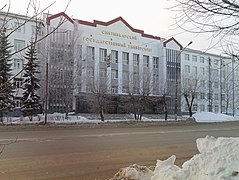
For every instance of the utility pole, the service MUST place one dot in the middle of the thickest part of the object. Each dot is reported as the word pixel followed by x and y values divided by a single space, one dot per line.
pixel 210 87
pixel 177 61
pixel 233 86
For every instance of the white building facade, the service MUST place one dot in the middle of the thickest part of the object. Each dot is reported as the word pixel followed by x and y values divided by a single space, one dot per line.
pixel 77 53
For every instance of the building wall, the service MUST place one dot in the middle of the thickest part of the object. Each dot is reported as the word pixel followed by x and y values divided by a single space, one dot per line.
pixel 21 33
pixel 82 56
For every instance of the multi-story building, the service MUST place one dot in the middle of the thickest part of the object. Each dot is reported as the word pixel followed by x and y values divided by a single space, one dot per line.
pixel 81 56
pixel 217 78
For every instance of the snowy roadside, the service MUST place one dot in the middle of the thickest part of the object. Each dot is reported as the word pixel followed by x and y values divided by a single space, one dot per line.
pixel 218 158
pixel 58 118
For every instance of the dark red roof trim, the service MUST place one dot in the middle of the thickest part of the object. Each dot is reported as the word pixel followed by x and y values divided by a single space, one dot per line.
pixel 172 39
pixel 96 22
pixel 48 19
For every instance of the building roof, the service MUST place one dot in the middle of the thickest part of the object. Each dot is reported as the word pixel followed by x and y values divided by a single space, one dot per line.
pixel 95 23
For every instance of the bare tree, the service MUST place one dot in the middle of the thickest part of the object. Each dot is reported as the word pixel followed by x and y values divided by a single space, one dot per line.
pixel 215 16
pixel 98 86
pixel 139 96
pixel 164 91
pixel 190 89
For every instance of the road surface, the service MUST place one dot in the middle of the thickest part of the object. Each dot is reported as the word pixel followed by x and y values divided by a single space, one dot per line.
pixel 70 152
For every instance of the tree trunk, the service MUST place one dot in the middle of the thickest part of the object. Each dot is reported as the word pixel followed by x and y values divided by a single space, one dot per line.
pixel 102 114
pixel 190 111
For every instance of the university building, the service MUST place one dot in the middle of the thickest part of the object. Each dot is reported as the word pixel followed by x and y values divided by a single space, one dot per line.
pixel 80 57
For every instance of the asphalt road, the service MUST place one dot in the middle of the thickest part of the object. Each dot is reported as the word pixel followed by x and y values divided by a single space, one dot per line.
pixel 99 152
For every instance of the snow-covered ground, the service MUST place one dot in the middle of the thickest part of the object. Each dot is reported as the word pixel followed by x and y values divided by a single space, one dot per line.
pixel 218 159
pixel 60 118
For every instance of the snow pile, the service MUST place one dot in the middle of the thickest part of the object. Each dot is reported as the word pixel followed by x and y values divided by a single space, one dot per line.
pixel 135 172
pixel 218 158
pixel 212 117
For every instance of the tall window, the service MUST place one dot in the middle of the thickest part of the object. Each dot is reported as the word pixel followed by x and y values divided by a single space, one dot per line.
pixel 125 58
pixel 187 57
pixel 114 74
pixel 37 30
pixel 20 27
pixel 125 75
pixel 18 44
pixel 194 58
pixel 90 53
pixel 146 61
pixel 195 69
pixel 202 70
pixel 156 62
pixel 187 69
pixel 103 54
pixel 136 59
pixel 17 63
pixel 18 82
pixel 202 59
pixel 114 56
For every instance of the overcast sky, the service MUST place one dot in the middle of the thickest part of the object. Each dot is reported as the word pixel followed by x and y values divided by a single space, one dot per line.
pixel 152 16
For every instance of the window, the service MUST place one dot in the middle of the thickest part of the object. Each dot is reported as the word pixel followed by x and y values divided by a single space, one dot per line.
pixel 17 63
pixel 202 95
pixel 223 97
pixel 216 96
pixel 155 77
pixel 125 58
pixel 91 72
pixel 146 61
pixel 103 73
pixel 18 44
pixel 202 83
pixel 114 74
pixel 202 69
pixel 187 57
pixel 156 62
pixel 216 61
pixel 37 30
pixel 216 84
pixel 114 56
pixel 194 58
pixel 103 54
pixel 125 75
pixel 20 27
pixel 114 90
pixel 195 107
pixel 202 108
pixel 216 108
pixel 18 83
pixel 136 59
pixel 195 69
pixel 18 103
pixel 187 69
pixel 223 109
pixel 202 59
pixel 124 90
pixel 90 53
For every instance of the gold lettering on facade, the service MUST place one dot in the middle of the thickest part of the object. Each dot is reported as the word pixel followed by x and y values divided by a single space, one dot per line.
pixel 112 43
pixel 110 33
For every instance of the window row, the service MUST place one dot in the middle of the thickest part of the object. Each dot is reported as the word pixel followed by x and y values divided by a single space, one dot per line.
pixel 113 57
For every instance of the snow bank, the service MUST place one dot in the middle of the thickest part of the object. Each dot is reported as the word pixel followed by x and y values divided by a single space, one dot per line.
pixel 218 158
pixel 133 172
pixel 212 117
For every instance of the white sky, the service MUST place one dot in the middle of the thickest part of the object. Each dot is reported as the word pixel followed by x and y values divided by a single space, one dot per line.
pixel 151 16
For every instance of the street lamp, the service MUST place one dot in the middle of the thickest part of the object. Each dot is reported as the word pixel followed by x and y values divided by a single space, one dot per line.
pixel 176 79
